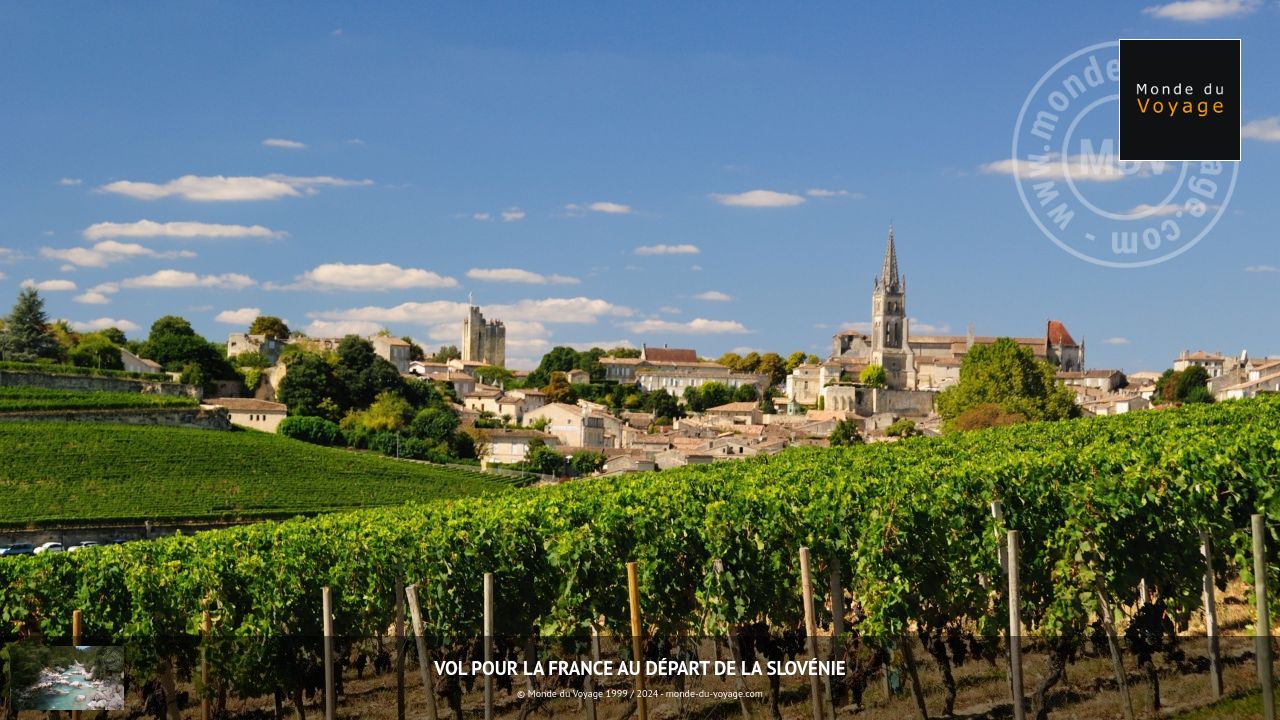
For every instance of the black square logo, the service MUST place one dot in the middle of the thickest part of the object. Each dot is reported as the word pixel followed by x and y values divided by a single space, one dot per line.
pixel 1179 100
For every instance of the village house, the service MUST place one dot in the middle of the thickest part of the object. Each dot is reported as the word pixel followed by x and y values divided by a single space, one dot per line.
pixel 674 370
pixel 1214 363
pixel 393 350
pixel 511 447
pixel 572 425
pixel 1107 380
pixel 247 412
pixel 735 413
pixel 133 363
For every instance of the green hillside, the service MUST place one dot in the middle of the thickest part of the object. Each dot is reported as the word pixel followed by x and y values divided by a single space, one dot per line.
pixel 56 473
pixel 25 399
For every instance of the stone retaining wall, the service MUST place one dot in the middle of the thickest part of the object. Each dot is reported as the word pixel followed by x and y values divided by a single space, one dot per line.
pixel 90 383
pixel 204 417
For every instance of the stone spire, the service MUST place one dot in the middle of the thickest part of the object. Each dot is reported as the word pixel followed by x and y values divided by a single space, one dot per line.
pixel 889 279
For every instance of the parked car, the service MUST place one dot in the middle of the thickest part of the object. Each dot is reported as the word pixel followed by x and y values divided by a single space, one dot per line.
pixel 18 549
pixel 83 545
pixel 51 547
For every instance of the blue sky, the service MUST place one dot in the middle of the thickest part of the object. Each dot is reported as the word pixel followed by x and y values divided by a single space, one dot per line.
pixel 585 172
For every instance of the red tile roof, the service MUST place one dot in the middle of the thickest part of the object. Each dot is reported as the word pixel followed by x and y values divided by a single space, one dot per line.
pixel 1058 334
pixel 669 354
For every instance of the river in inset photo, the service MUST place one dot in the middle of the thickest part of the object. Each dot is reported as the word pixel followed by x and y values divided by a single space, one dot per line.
pixel 67 678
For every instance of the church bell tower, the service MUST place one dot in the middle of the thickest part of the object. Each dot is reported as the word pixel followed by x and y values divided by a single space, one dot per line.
pixel 889 348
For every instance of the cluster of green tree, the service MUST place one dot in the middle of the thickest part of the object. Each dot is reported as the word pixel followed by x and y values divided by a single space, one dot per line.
pixel 770 363
pixel 29 336
pixel 1183 386
pixel 360 399
pixel 845 433
pixel 712 394
pixel 563 359
pixel 1002 384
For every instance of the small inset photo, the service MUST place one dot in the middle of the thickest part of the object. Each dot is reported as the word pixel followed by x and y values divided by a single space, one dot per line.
pixel 62 677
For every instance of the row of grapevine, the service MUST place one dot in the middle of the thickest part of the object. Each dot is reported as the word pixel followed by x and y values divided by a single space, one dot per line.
pixel 1101 505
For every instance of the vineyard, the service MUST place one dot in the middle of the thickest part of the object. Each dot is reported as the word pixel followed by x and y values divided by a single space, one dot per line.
pixel 76 370
pixel 26 399
pixel 1102 506
pixel 68 474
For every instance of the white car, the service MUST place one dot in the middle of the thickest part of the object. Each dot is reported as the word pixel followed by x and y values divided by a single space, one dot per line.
pixel 52 547
pixel 83 545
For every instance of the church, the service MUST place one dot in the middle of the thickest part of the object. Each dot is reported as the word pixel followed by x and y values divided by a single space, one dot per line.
pixel 919 362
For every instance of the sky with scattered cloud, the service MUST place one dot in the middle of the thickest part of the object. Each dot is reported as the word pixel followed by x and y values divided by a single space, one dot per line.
pixel 590 184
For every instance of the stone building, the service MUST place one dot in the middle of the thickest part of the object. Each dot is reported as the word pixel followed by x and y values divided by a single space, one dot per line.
pixel 257 414
pixel 483 340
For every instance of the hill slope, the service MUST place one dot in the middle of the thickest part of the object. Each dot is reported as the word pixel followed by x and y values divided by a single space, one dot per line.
pixel 62 473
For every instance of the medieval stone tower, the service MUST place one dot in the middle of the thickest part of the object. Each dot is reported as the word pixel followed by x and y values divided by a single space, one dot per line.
pixel 483 340
pixel 889 347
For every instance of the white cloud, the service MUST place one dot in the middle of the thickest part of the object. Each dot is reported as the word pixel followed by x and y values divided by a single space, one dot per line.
pixel 1162 210
pixel 150 228
pixel 2 276
pixel 219 188
pixel 49 285
pixel 481 216
pixel 575 310
pixel 516 275
pixel 92 297
pixel 668 309
pixel 283 143
pixel 1197 10
pixel 9 255
pixel 243 316
pixel 341 328
pixel 1262 269
pixel 1080 168
pixel 384 276
pixel 1116 341
pixel 103 323
pixel 70 181
pixel 512 214
pixel 610 207
pixel 1267 129
pixel 758 199
pixel 667 250
pixel 107 252
pixel 603 344
pixel 179 279
pixel 697 326
pixel 354 141
pixel 825 193
pixel 713 296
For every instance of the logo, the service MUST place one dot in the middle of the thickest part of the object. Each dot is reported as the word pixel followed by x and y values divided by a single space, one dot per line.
pixel 1067 168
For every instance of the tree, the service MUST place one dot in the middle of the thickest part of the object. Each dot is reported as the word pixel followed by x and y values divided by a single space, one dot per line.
pixel 873 376
pixel 586 462
pixel 311 388
pixel 542 459
pixel 1010 377
pixel 560 359
pixel 795 360
pixel 175 345
pixel 445 354
pixel 115 335
pixel 388 413
pixel 363 373
pixel 27 336
pixel 314 430
pixel 96 351
pixel 493 375
pixel 709 395
pixel 844 434
pixel 745 393
pixel 766 402
pixel 558 390
pixel 902 427
pixel 774 366
pixel 269 325
pixel 65 335
pixel 1193 385
pixel 986 415
pixel 434 423
pixel 664 405
pixel 416 353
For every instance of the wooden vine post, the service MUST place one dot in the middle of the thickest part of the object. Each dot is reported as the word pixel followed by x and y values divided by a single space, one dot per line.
pixel 424 654
pixel 1211 616
pixel 1113 643
pixel 77 637
pixel 488 645
pixel 835 593
pixel 637 638
pixel 330 698
pixel 400 650
pixel 206 629
pixel 1263 630
pixel 811 631
pixel 1015 627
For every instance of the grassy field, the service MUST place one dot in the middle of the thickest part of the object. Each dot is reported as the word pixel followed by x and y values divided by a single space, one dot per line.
pixel 69 473
pixel 25 399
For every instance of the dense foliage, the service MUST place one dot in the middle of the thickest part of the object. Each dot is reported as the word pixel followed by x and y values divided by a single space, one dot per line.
pixel 1101 504
pixel 55 472
pixel 26 334
pixel 22 399
pixel 314 430
pixel 1010 377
